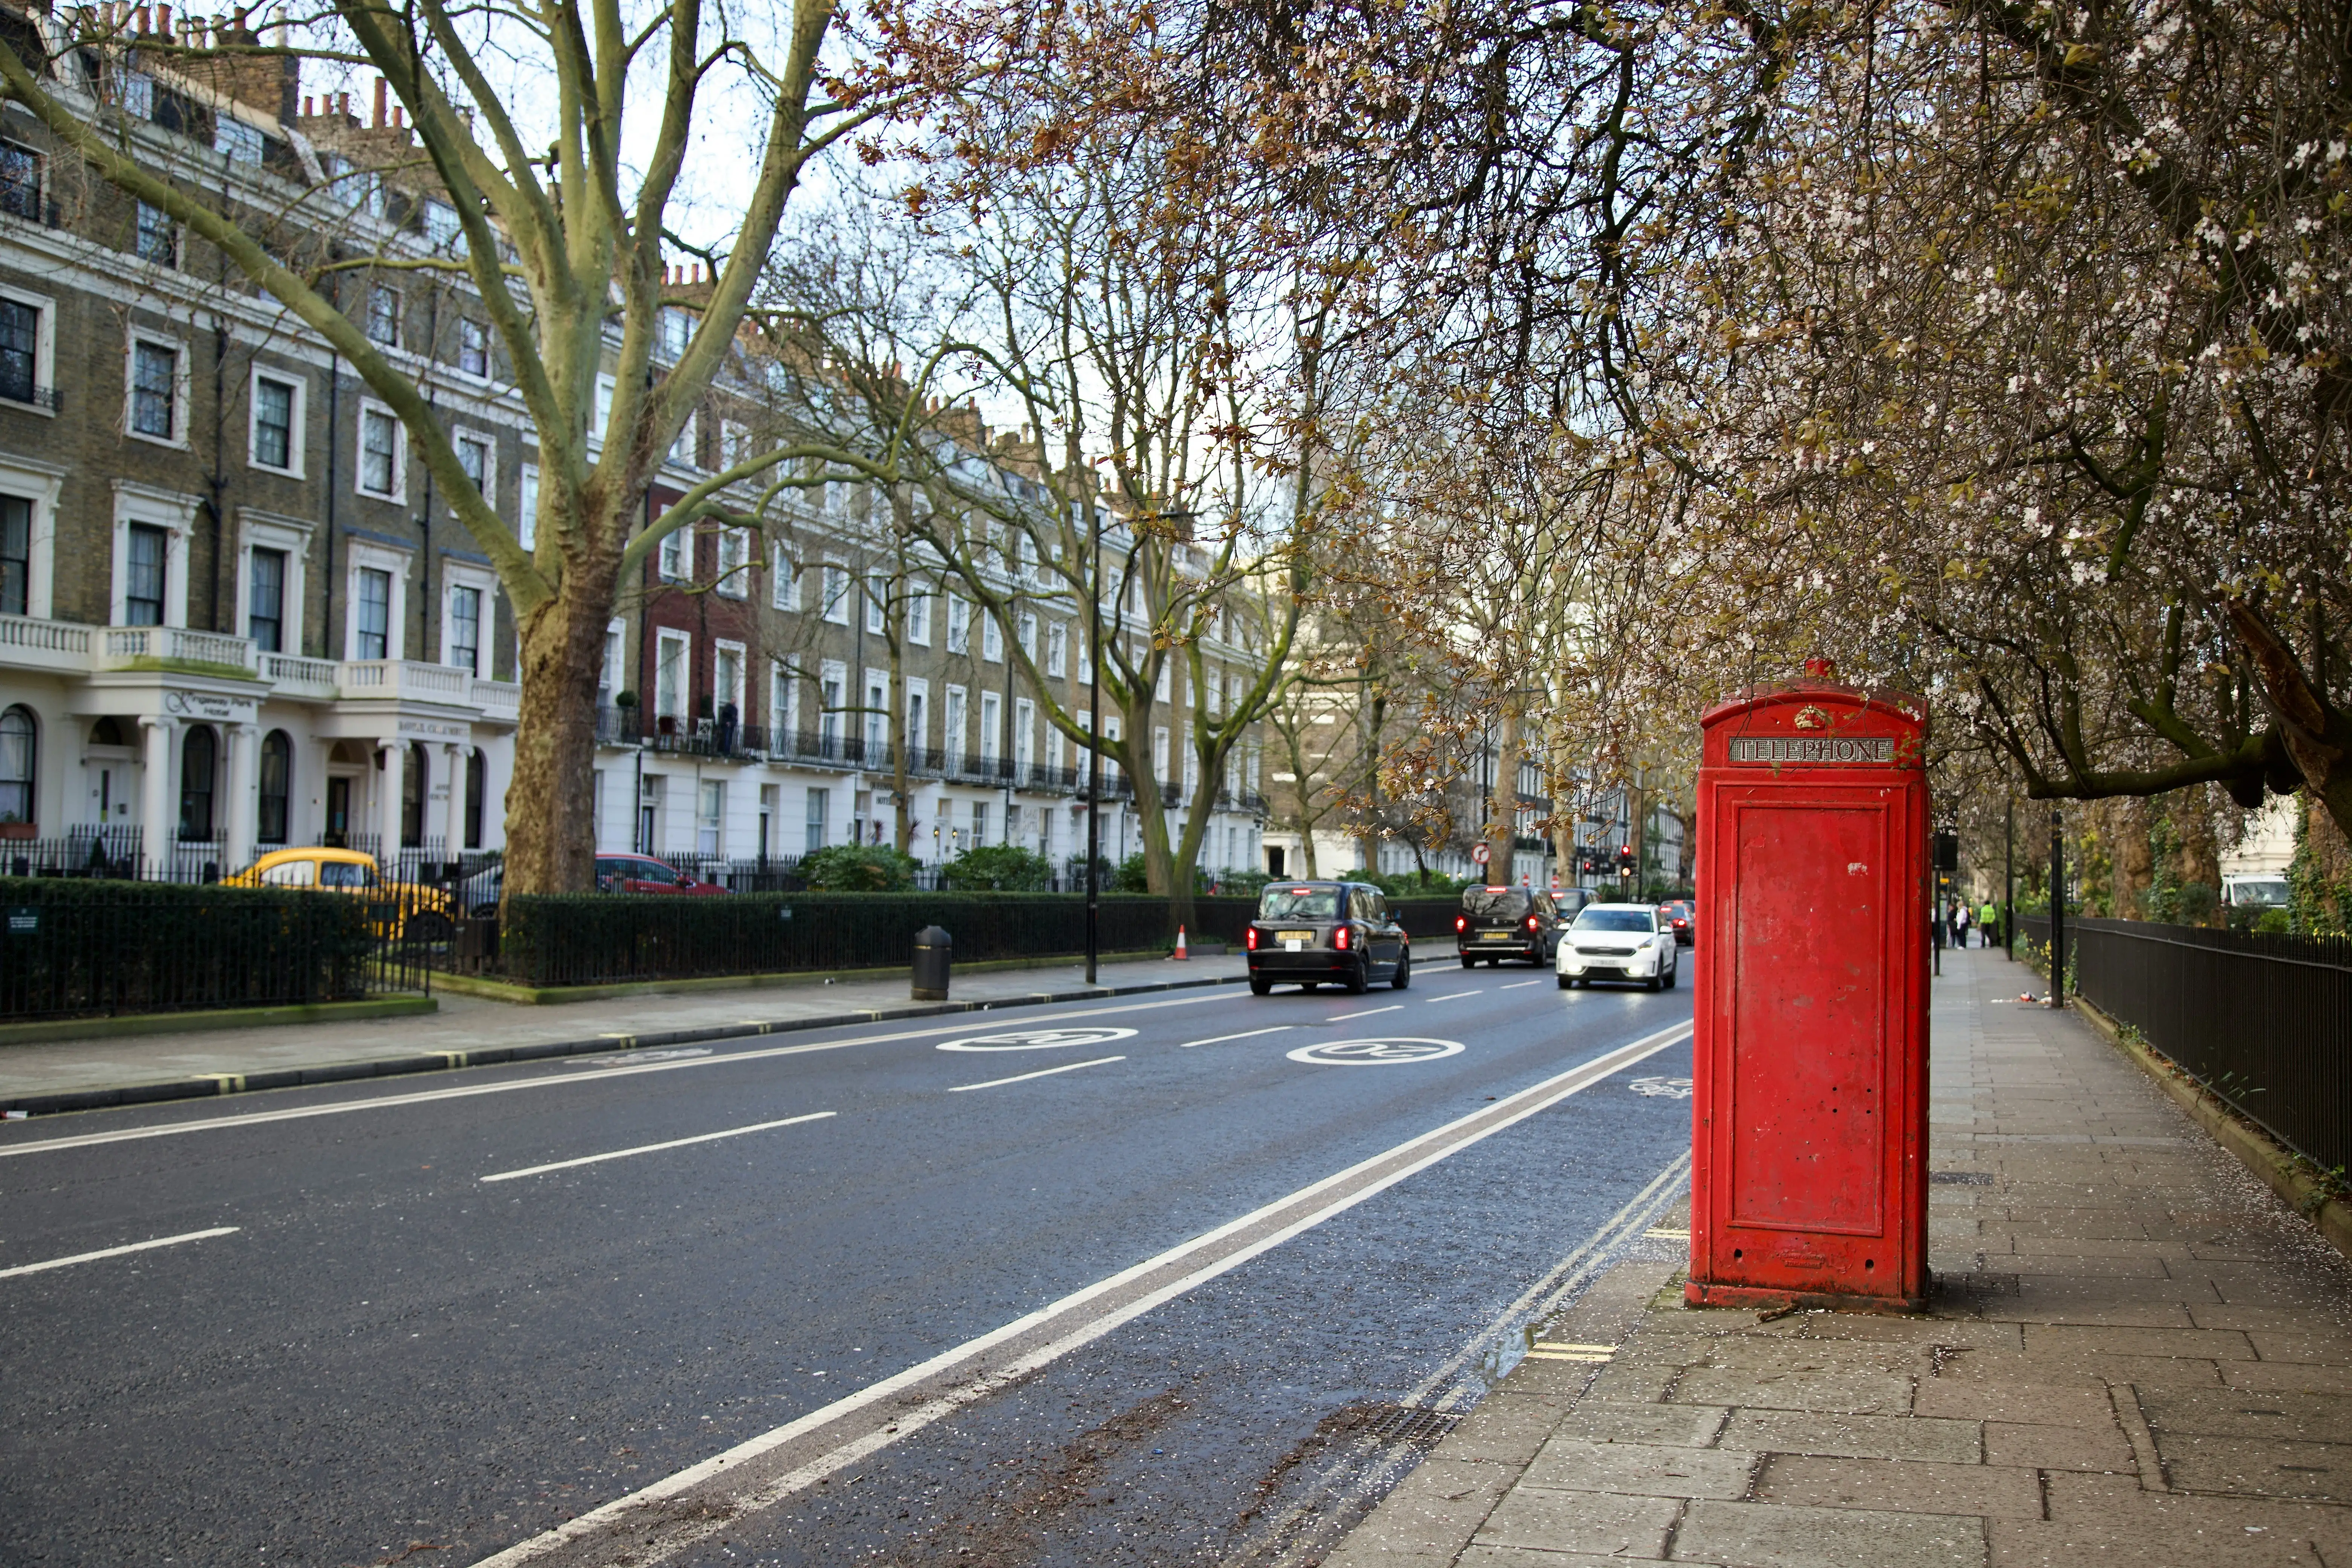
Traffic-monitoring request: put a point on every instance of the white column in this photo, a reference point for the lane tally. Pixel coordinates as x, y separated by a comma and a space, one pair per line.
387, 801
452, 807
155, 823
242, 798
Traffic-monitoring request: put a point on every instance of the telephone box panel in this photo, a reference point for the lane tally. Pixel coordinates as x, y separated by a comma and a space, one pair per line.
1811, 1075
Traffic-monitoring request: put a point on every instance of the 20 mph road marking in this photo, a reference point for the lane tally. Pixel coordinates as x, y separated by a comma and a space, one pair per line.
118, 1251
1041, 1072
666, 1517
654, 1148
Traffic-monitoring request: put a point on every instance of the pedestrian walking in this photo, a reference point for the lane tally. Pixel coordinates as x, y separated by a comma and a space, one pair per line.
1989, 914
1960, 926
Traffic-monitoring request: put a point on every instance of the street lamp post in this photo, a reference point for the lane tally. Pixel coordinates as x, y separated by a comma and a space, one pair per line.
1093, 741
2009, 880
2057, 909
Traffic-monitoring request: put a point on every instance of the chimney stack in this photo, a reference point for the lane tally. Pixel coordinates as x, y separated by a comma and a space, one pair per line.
380, 89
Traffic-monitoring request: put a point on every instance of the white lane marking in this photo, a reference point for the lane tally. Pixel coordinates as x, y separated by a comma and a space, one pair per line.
118, 1251
1041, 1072
1456, 996
656, 1148
1515, 984
420, 1096
1515, 1109
1244, 1035
1368, 1012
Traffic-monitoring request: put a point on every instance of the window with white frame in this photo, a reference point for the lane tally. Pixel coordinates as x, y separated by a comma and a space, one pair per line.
1160, 684
1234, 693
727, 678
918, 619
878, 716
606, 388
461, 629
1057, 651
991, 640
951, 725
479, 457
837, 595
684, 449
676, 331
1159, 751
526, 506
277, 432
27, 341
1024, 741
919, 699
959, 625
832, 697
376, 599
148, 557
673, 651
734, 445
710, 817
21, 172
734, 562
15, 555
784, 580
154, 237
441, 227
1029, 635
784, 701
878, 602
992, 722
616, 636
151, 532
270, 581
474, 347
383, 315
674, 561
382, 455
235, 140
157, 389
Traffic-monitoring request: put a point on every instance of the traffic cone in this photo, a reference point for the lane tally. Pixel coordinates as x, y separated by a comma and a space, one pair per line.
1181, 957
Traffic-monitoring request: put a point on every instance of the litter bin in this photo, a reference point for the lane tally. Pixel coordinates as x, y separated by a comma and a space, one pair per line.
1809, 1184
933, 949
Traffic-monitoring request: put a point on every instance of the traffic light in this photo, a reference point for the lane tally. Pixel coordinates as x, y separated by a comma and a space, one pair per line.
1624, 859
1947, 849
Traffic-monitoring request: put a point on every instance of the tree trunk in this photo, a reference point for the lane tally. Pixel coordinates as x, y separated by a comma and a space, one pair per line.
1502, 825
2200, 856
551, 804
2135, 858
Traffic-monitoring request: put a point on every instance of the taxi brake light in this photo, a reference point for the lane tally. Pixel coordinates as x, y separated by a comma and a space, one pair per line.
1531, 923
1461, 922
1339, 939
1249, 939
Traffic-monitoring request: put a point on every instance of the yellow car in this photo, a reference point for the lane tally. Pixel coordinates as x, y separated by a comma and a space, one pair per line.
420, 912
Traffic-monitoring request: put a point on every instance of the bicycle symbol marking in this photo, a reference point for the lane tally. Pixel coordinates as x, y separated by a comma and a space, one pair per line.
1666, 1087
1037, 1039
1374, 1053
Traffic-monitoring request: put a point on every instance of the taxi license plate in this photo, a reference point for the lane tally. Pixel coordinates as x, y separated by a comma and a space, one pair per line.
1297, 936
1499, 936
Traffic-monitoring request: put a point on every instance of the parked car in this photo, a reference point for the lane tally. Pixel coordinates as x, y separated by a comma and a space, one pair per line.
480, 892
1325, 933
1683, 917
1496, 923
411, 908
1619, 942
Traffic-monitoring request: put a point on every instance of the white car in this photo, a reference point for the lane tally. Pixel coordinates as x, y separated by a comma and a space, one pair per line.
1618, 942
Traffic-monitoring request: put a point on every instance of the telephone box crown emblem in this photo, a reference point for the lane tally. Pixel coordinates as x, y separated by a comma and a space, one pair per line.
1811, 718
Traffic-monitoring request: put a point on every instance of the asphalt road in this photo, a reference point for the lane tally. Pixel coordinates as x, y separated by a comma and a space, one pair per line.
455, 1313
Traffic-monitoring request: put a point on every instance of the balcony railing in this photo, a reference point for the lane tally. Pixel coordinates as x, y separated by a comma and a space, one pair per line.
132, 648
297, 677
22, 635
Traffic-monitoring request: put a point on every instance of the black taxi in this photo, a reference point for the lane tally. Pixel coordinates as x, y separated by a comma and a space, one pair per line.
1325, 933
1499, 923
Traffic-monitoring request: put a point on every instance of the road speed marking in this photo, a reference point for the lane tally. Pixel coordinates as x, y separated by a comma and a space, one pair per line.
1374, 1053
47, 1264
1041, 1072
1037, 1039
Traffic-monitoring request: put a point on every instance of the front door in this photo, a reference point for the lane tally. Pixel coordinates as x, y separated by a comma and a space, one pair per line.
339, 812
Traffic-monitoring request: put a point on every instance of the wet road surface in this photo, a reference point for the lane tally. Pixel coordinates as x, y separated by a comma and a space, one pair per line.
431, 1323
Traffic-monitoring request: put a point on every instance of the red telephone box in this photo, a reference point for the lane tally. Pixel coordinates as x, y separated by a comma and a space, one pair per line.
1810, 1094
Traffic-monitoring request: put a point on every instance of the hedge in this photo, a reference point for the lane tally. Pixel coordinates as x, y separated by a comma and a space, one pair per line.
71, 946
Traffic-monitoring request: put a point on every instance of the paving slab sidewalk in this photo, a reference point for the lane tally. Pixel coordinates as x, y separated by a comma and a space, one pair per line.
37, 1073
2135, 1355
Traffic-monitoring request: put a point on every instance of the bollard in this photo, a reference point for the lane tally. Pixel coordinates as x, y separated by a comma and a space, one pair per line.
933, 950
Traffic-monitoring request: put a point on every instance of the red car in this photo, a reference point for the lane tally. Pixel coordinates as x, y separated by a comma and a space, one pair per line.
644, 874
1683, 918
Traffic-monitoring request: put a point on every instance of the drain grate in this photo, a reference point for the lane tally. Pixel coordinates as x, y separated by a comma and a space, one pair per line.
1414, 1426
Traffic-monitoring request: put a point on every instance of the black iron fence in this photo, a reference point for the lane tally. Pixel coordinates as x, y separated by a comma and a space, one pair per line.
82, 947
2263, 1021
117, 855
